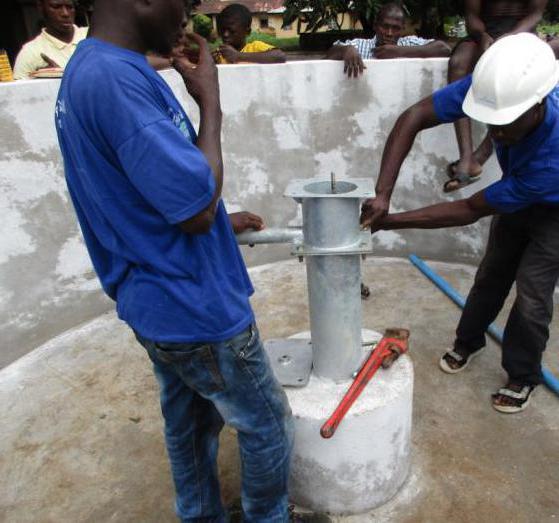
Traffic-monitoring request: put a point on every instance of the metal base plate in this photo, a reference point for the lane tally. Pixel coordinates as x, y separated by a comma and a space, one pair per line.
291, 360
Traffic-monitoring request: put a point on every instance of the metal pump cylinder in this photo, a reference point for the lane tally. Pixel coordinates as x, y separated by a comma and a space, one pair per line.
333, 280
333, 244
330, 223
335, 315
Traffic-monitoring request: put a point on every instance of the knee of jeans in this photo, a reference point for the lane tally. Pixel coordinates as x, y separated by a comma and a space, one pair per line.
269, 464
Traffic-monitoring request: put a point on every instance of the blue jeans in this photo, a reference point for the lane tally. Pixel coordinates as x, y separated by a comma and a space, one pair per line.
204, 385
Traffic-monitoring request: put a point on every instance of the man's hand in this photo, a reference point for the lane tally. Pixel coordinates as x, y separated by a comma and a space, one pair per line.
229, 53
49, 61
241, 221
353, 64
200, 79
387, 51
373, 211
216, 55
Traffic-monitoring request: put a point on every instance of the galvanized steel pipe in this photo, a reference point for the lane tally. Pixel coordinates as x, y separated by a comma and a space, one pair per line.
271, 235
334, 282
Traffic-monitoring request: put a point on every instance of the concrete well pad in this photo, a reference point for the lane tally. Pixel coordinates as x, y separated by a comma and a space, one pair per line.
81, 438
364, 464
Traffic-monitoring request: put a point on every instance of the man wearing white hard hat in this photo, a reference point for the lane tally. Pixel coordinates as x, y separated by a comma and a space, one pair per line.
513, 90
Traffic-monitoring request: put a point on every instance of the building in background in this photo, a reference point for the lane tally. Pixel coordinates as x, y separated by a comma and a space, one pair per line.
267, 17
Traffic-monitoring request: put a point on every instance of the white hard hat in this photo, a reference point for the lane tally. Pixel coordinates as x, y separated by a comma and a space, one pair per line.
514, 74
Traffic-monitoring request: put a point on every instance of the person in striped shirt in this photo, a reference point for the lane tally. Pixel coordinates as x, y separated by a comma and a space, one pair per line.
387, 43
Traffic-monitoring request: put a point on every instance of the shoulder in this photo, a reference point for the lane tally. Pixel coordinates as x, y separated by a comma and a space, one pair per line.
356, 42
363, 41
448, 101
552, 113
115, 91
81, 33
553, 97
33, 44
412, 40
94, 66
257, 46
28, 59
31, 48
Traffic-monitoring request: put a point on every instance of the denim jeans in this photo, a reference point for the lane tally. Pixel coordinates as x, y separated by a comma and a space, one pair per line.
523, 248
202, 386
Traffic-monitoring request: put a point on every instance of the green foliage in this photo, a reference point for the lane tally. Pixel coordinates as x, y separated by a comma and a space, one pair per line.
202, 25
286, 44
548, 29
429, 13
320, 13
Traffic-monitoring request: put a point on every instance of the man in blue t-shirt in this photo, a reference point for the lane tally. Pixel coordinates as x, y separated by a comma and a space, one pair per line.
147, 193
513, 90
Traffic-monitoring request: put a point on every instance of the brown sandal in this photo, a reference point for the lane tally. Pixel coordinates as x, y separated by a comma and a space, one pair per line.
459, 181
516, 395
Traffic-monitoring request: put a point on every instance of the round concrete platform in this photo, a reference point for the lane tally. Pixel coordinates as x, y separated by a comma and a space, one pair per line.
368, 459
81, 436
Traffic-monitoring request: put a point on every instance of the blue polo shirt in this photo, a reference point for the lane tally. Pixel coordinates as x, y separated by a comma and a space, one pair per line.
530, 167
134, 172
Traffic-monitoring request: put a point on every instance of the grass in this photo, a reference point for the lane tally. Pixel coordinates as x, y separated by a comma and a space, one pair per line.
286, 44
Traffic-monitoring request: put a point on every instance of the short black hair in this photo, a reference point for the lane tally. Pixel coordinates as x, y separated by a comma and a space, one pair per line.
236, 12
391, 8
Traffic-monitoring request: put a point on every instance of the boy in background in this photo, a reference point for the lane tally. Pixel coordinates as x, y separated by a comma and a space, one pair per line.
233, 27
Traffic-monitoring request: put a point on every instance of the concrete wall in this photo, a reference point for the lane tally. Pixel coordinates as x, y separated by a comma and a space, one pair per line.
296, 120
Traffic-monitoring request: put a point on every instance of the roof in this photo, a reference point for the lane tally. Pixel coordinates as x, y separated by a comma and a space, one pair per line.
208, 7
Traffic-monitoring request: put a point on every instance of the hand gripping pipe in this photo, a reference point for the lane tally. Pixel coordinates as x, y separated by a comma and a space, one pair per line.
497, 334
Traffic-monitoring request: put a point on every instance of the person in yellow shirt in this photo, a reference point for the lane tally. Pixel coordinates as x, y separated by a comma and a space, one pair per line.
233, 27
55, 44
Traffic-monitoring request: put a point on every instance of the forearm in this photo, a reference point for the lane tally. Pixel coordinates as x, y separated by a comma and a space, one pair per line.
418, 117
274, 56
338, 52
434, 49
441, 215
474, 23
438, 216
209, 142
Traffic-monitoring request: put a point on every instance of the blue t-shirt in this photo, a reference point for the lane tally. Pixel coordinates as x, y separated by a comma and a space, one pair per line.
530, 167
134, 172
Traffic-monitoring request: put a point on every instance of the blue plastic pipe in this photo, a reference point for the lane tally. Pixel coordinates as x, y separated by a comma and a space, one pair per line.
549, 379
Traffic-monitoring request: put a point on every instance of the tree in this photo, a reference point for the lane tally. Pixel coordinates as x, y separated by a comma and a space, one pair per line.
202, 25
320, 13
